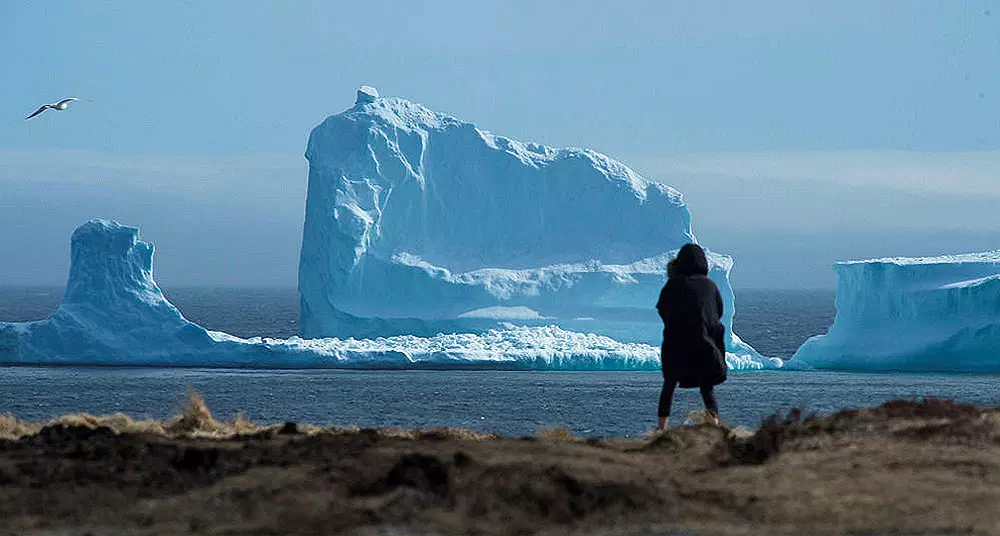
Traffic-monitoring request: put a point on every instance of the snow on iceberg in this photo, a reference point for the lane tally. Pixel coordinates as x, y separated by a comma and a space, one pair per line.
418, 223
912, 314
113, 313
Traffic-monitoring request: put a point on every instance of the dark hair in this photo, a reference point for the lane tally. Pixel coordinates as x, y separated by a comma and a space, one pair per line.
691, 260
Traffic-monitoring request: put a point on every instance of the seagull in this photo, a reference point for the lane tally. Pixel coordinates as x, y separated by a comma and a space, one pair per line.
61, 105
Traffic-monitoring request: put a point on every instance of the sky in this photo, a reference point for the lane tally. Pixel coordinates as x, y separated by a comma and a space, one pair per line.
801, 133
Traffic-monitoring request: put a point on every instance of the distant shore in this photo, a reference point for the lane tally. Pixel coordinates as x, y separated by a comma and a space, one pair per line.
929, 466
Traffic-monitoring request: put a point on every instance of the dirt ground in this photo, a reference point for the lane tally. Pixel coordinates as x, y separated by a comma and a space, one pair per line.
930, 467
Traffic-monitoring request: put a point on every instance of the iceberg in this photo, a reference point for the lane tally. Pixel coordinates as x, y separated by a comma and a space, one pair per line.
427, 243
113, 313
112, 310
929, 314
419, 224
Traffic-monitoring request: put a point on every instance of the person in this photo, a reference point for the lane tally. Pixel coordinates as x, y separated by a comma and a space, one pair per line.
693, 353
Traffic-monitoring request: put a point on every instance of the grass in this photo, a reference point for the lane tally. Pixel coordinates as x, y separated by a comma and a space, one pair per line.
556, 434
195, 420
13, 428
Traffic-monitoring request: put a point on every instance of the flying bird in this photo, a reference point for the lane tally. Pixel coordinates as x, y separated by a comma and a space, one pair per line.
61, 105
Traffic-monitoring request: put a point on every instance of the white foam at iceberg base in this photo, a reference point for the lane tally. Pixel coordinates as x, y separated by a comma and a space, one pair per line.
931, 314
113, 313
517, 347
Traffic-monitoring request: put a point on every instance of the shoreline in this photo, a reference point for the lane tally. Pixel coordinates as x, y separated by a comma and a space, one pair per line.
904, 466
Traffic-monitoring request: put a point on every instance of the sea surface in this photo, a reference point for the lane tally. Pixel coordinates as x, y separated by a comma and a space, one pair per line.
510, 403
775, 322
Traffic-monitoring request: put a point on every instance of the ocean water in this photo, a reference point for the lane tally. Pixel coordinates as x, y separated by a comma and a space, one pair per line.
511, 403
775, 322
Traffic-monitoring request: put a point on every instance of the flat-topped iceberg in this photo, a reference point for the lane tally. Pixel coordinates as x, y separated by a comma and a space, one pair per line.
912, 314
418, 223
113, 313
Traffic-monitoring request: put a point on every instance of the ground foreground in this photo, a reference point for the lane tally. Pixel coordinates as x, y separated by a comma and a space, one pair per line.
930, 467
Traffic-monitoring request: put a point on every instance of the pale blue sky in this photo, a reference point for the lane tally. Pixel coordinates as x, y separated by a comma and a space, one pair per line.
800, 132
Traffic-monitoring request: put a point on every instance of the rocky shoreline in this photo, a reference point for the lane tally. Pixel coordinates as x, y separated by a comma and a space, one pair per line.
927, 466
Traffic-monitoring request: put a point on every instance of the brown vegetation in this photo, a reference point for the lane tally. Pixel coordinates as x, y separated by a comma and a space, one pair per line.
903, 467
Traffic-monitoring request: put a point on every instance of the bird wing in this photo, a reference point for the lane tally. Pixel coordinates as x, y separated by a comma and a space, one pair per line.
64, 101
38, 111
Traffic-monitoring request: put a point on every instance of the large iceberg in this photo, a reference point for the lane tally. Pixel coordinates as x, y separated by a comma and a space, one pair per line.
912, 314
418, 223
113, 313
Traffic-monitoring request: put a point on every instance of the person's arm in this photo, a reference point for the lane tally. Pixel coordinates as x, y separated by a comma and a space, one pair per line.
662, 303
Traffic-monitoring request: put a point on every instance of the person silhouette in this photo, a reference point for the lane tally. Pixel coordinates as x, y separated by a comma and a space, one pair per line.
693, 353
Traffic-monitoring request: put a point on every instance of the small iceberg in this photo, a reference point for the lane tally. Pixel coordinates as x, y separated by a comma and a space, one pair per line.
927, 314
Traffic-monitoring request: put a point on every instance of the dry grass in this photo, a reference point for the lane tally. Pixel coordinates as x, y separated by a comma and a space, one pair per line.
701, 418
556, 433
13, 428
196, 420
119, 422
697, 418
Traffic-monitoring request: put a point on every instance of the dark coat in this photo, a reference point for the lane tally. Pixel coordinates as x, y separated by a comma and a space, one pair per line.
694, 348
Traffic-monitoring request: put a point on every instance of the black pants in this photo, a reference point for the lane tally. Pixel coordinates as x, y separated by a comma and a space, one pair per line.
667, 397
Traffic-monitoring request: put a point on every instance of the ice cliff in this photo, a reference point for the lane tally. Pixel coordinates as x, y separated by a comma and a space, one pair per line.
418, 223
912, 314
113, 313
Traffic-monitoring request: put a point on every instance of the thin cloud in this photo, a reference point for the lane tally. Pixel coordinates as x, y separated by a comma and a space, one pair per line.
968, 173
154, 172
